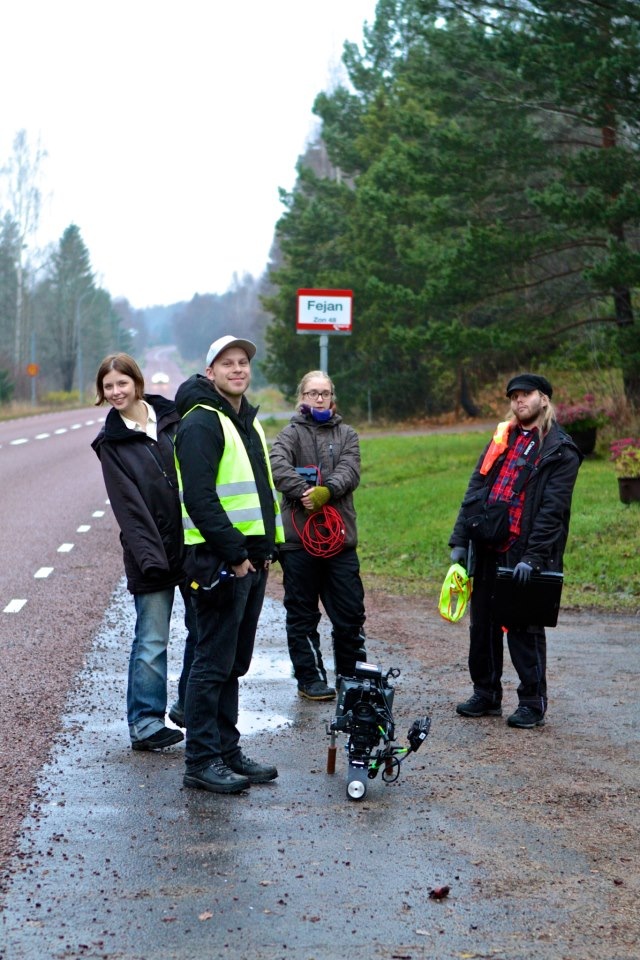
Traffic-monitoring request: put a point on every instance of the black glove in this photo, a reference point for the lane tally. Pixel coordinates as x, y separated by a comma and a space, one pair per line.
522, 572
459, 555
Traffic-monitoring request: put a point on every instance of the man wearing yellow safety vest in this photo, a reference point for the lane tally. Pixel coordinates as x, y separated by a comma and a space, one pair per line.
232, 523
516, 513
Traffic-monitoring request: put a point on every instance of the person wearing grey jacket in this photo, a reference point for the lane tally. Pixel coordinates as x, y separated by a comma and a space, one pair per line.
315, 461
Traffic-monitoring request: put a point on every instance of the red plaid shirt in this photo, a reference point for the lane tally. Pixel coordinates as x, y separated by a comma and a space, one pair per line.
502, 488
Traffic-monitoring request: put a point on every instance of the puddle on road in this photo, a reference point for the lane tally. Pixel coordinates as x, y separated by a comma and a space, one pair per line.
269, 665
266, 665
253, 722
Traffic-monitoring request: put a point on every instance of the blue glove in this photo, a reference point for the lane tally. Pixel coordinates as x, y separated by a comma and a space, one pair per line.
459, 555
522, 572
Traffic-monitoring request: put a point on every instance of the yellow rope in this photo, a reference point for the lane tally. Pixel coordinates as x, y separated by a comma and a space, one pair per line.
455, 593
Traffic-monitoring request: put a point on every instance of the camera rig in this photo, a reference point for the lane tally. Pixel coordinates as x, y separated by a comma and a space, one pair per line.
365, 713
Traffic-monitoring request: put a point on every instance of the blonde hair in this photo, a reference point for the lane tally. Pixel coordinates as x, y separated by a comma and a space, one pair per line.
123, 363
548, 416
313, 375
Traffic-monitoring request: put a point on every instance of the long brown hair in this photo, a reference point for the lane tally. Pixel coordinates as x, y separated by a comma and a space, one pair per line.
123, 363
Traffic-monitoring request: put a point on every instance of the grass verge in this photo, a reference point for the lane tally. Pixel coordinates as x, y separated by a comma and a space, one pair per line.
409, 497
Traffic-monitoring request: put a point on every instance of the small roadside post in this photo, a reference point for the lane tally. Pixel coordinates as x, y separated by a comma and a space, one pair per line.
325, 313
32, 370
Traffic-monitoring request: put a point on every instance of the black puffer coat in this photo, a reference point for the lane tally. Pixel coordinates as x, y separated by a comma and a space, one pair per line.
547, 503
334, 447
140, 477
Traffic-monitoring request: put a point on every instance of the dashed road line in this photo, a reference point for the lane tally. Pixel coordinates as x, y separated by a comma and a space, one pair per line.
15, 606
60, 431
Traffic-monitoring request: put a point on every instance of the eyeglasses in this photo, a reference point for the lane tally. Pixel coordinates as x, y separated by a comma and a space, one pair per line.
314, 394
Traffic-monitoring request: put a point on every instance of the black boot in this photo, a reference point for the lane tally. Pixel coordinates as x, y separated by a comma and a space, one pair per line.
346, 658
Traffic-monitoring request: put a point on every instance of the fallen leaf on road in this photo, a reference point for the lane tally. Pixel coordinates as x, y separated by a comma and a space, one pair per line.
438, 893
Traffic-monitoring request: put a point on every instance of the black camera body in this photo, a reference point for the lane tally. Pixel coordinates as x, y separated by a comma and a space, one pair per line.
364, 712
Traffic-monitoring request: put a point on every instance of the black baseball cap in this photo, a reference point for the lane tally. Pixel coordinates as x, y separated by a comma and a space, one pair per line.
529, 381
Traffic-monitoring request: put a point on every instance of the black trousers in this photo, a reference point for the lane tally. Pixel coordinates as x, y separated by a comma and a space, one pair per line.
527, 645
227, 619
335, 581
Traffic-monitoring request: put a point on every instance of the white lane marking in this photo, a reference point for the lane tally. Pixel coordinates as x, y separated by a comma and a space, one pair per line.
43, 572
65, 547
59, 431
15, 606
98, 513
83, 528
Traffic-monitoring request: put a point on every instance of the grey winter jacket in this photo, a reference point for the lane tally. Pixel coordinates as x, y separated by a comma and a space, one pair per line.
334, 448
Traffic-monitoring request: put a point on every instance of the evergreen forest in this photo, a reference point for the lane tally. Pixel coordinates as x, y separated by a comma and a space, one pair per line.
483, 203
476, 183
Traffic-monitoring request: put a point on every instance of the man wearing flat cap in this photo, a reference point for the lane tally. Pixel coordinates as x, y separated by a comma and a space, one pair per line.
516, 514
231, 522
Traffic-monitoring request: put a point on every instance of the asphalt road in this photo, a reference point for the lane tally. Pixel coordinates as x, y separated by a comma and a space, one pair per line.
534, 832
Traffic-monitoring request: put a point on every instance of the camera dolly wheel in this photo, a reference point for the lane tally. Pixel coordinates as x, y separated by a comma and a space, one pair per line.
357, 783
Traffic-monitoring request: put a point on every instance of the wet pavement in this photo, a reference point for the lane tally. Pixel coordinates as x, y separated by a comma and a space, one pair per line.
118, 860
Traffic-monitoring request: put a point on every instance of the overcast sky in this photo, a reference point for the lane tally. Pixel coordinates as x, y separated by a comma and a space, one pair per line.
169, 126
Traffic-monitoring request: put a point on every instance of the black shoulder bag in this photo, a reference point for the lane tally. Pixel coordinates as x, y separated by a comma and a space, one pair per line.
489, 522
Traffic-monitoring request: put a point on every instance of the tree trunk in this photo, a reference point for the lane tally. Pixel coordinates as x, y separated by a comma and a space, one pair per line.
464, 393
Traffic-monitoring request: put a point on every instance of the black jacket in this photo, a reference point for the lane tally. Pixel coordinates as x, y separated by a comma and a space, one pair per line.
547, 503
199, 448
140, 477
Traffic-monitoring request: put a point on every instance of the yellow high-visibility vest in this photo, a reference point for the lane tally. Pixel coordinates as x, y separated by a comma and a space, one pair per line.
235, 485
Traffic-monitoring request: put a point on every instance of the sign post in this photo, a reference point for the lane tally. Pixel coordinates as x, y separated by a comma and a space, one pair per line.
33, 369
327, 313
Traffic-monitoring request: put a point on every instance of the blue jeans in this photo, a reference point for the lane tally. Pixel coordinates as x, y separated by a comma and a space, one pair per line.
147, 683
226, 630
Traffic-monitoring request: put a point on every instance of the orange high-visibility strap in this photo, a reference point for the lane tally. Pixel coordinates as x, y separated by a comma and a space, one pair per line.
499, 443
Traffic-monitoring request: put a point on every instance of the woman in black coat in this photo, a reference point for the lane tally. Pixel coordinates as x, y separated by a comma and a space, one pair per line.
135, 448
